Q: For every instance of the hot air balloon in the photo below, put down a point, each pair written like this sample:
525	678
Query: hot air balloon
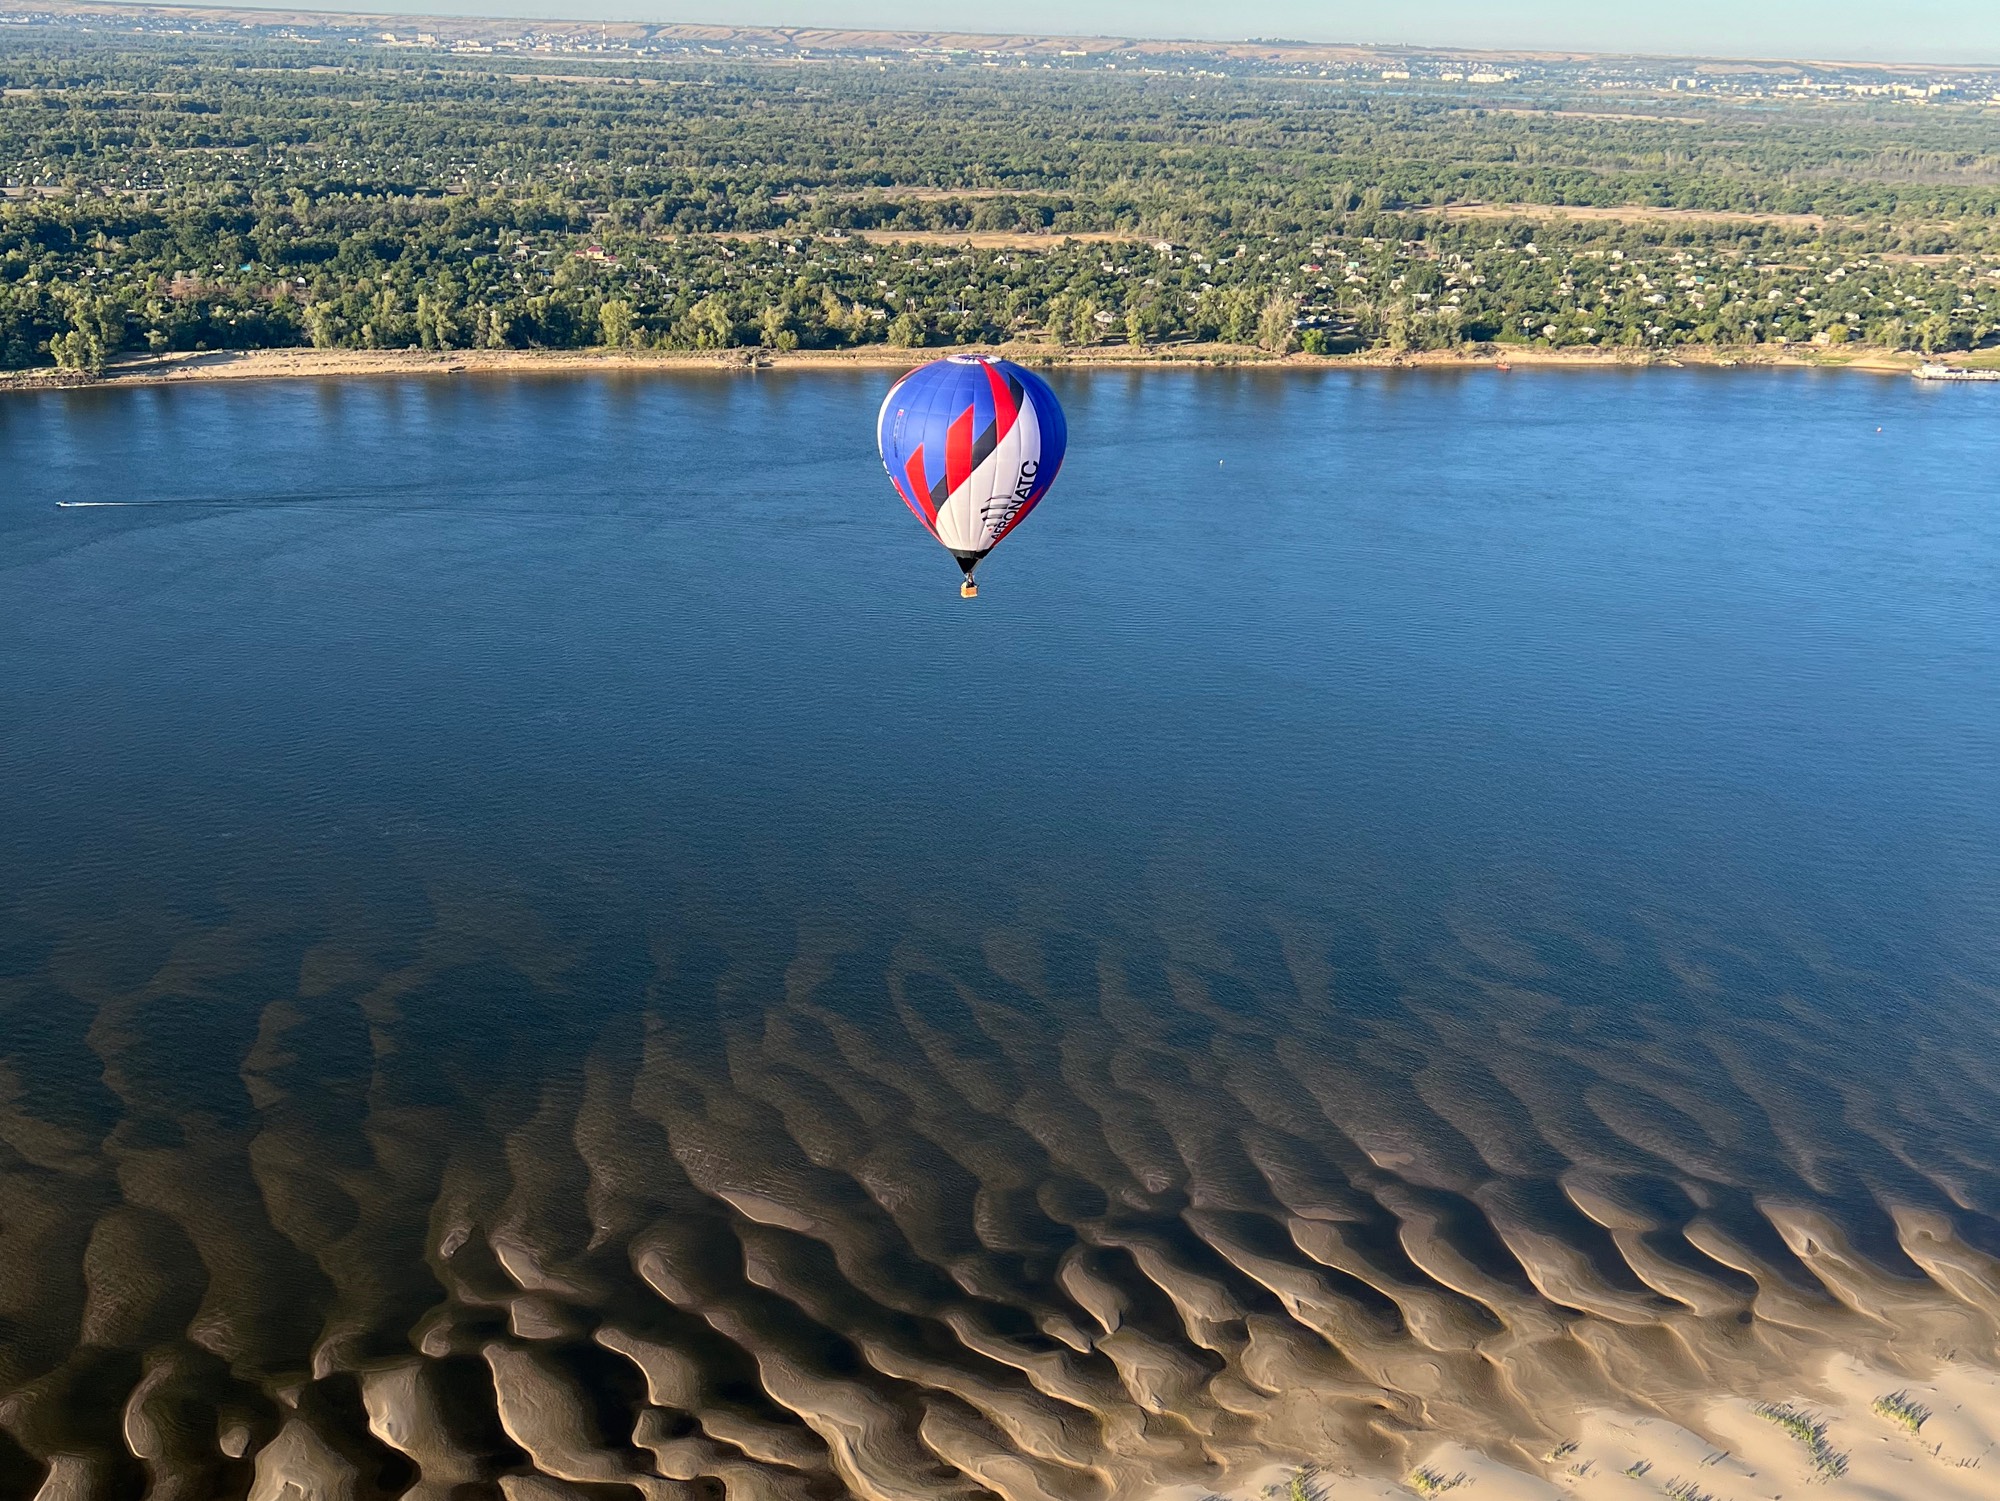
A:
972	444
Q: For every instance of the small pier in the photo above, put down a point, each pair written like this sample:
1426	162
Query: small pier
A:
1952	372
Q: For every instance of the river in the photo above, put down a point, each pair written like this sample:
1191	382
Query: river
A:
539	936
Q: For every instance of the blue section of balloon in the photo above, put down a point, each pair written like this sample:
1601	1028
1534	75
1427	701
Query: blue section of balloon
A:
917	423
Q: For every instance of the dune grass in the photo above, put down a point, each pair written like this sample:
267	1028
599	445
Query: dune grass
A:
1809	1431
1902	1409
1430	1481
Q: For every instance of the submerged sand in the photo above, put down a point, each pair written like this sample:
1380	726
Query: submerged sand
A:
1046	1219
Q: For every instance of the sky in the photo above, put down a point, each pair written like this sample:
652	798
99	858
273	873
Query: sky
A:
1888	30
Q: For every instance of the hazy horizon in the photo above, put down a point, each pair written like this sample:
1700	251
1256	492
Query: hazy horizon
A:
1925	32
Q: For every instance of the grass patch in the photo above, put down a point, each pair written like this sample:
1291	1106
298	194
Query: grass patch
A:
1809	1431
1305	1484
1901	1408
1687	1490
1433	1482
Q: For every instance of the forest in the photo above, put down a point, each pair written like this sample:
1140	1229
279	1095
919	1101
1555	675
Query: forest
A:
186	193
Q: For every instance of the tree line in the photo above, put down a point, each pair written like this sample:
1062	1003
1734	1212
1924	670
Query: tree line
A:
176	194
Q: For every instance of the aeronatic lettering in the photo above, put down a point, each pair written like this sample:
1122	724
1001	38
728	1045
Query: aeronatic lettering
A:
999	512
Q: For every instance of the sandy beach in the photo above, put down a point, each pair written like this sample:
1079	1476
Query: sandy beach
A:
287	364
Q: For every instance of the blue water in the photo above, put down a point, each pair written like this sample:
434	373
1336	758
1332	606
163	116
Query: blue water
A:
1538	731
1704	639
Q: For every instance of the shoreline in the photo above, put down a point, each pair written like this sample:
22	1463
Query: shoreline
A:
296	364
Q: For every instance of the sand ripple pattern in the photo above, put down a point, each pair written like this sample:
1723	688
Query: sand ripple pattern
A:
1043	1218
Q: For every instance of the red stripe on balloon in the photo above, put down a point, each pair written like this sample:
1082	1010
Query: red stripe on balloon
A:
958	452
917	497
1005	411
903	494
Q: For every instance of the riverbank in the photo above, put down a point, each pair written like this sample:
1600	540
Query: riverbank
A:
285	364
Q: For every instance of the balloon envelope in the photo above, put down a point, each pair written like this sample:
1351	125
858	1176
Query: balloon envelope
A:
972	444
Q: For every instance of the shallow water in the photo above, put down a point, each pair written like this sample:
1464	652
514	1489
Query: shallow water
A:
539	935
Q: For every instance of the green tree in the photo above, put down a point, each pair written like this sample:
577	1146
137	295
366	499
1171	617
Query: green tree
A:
779	327
79	349
322	326
1059	316
97	330
436	326
614	318
1241	313
1277	325
1396	326
708	325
